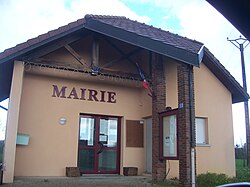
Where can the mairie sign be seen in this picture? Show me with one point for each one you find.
(83, 94)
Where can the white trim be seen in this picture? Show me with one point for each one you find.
(203, 145)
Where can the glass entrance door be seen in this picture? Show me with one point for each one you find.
(99, 145)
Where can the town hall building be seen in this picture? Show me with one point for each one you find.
(105, 93)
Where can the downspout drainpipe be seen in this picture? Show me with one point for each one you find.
(192, 133)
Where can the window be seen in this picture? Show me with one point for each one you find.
(201, 131)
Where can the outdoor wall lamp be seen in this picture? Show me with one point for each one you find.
(95, 71)
(62, 121)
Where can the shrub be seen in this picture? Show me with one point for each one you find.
(212, 179)
(243, 174)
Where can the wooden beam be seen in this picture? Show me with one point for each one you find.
(75, 55)
(128, 57)
(50, 48)
(95, 53)
(121, 58)
(121, 52)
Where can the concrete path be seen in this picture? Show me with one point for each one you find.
(88, 181)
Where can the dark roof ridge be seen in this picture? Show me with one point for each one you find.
(87, 16)
(98, 17)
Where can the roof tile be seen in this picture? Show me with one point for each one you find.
(73, 24)
(22, 46)
(53, 32)
(149, 31)
(33, 41)
(43, 37)
(116, 21)
(7, 52)
(81, 21)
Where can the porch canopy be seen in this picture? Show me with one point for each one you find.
(121, 28)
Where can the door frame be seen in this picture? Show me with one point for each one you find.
(118, 149)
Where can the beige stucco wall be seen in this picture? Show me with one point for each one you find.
(213, 101)
(53, 147)
(172, 101)
(171, 84)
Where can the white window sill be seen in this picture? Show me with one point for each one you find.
(203, 145)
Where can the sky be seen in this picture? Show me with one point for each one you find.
(21, 20)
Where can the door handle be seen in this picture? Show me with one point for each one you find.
(101, 148)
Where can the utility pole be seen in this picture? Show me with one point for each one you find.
(241, 44)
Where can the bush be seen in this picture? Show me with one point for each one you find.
(212, 179)
(243, 174)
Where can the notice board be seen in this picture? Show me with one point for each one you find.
(134, 133)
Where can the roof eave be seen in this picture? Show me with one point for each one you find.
(146, 43)
(39, 44)
(237, 91)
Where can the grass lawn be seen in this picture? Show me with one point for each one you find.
(242, 172)
(213, 179)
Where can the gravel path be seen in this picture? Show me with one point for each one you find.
(93, 181)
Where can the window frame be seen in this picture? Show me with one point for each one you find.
(161, 116)
(206, 131)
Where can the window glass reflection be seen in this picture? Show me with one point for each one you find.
(87, 126)
(108, 132)
(169, 136)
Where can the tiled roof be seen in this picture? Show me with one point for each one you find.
(149, 32)
(136, 33)
(123, 23)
